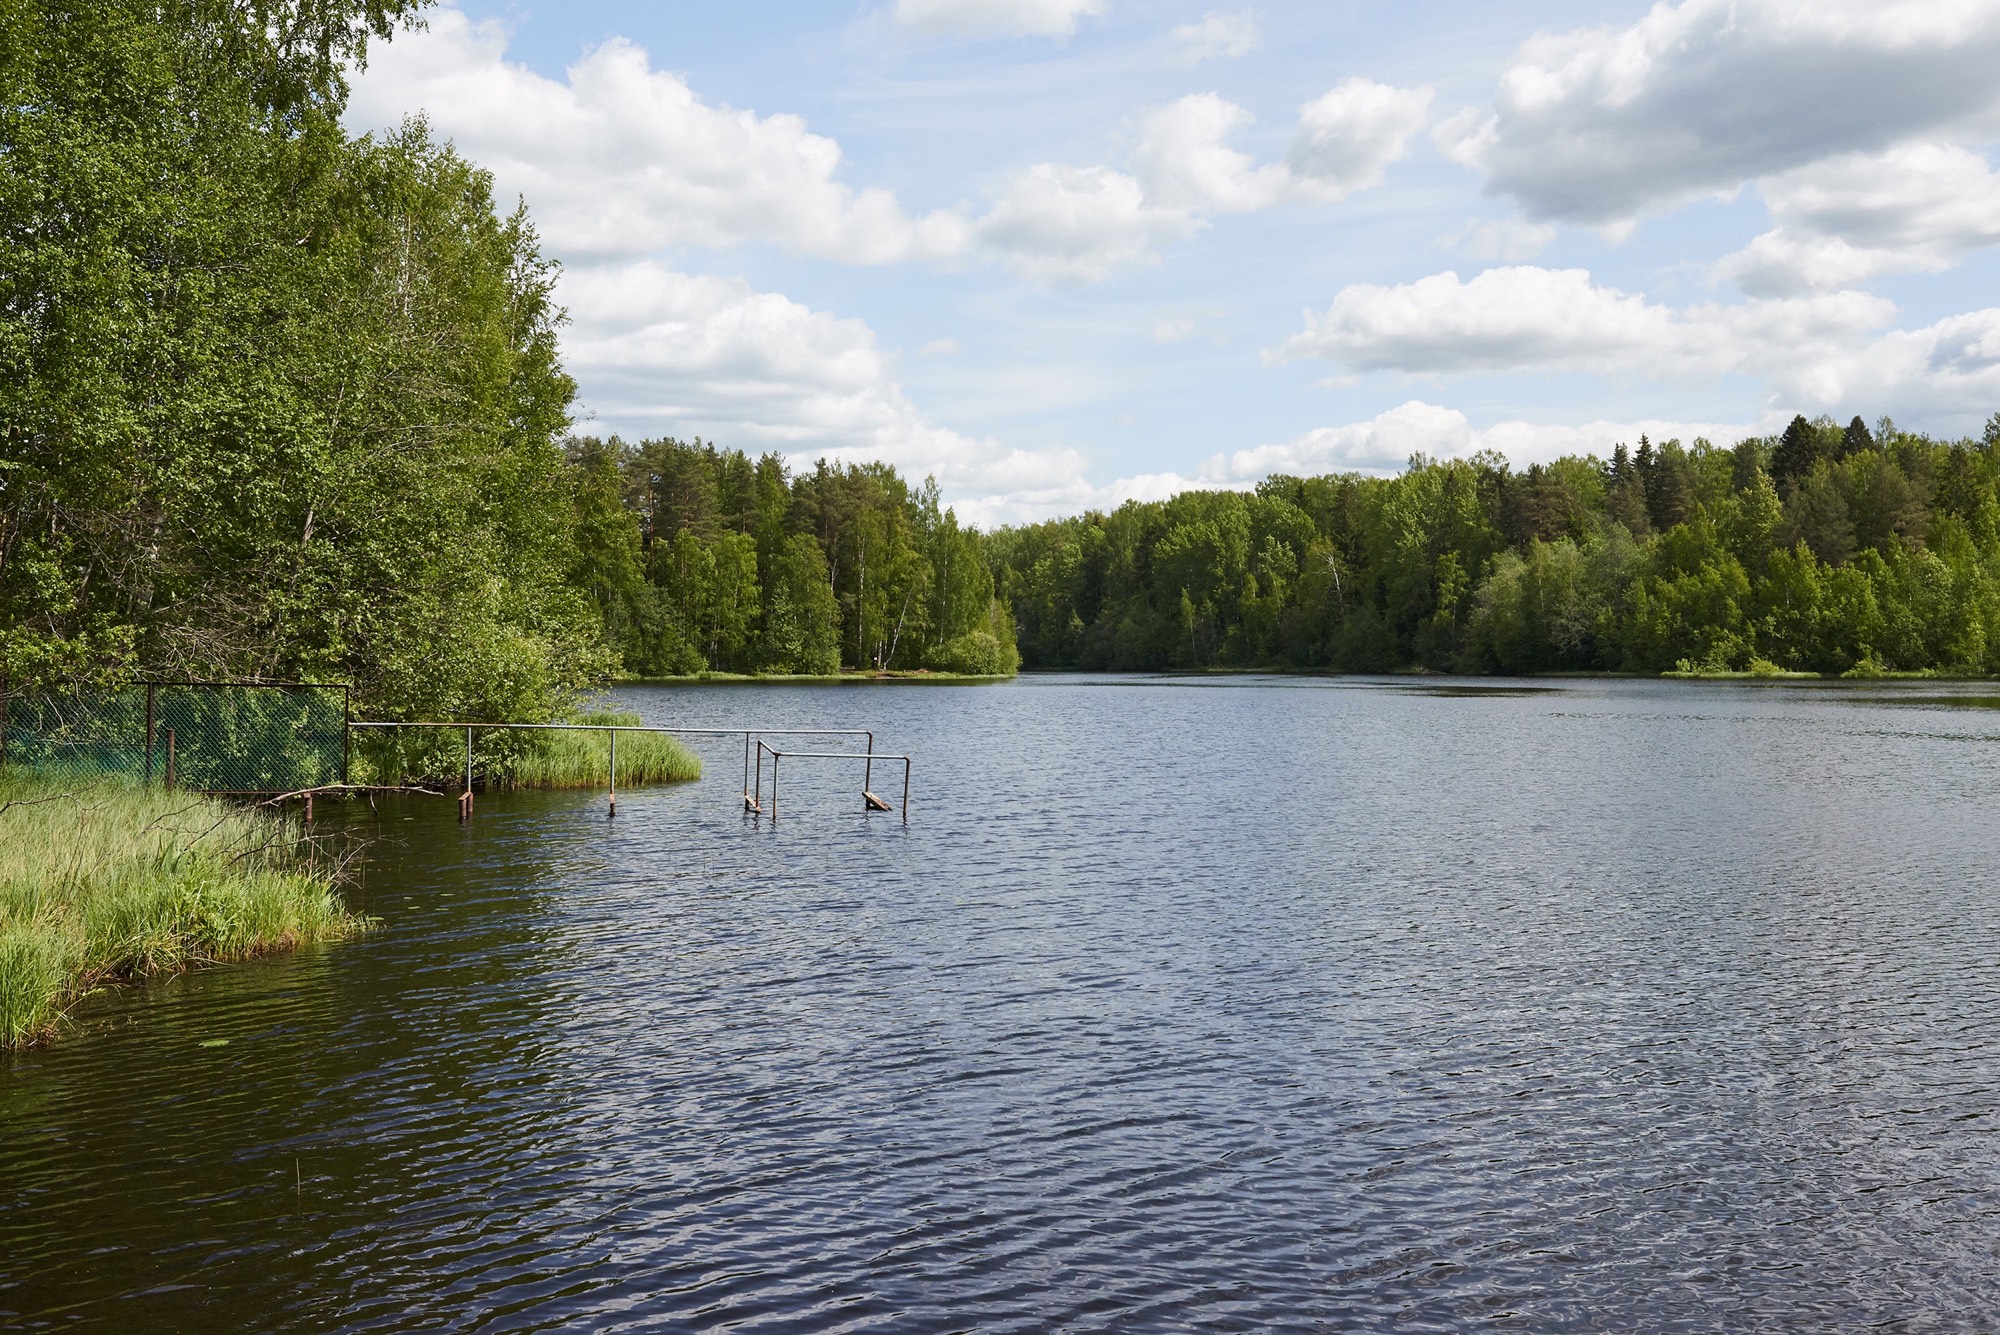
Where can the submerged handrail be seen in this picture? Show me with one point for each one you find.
(870, 802)
(749, 735)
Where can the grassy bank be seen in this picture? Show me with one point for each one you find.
(112, 882)
(526, 759)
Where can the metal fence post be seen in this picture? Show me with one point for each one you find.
(170, 760)
(346, 733)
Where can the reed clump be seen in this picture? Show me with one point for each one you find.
(114, 882)
(527, 758)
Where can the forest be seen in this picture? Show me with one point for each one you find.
(700, 560)
(1825, 549)
(282, 403)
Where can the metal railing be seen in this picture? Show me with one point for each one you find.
(869, 802)
(751, 737)
(295, 739)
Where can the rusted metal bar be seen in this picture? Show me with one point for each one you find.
(868, 757)
(636, 727)
(170, 760)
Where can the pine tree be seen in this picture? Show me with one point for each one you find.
(1856, 438)
(1798, 450)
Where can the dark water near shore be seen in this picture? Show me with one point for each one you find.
(1230, 1004)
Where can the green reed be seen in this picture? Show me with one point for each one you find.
(114, 882)
(526, 758)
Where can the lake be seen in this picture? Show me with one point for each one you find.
(1231, 1003)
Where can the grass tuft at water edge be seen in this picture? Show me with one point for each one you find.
(114, 882)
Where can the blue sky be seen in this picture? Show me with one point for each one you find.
(1063, 252)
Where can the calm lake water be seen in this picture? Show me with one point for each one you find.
(1220, 1004)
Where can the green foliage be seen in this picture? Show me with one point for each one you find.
(274, 402)
(723, 564)
(116, 882)
(1827, 550)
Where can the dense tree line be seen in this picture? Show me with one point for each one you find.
(274, 401)
(1825, 549)
(700, 559)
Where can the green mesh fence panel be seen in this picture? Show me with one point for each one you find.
(216, 738)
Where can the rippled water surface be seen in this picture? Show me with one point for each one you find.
(1235, 1004)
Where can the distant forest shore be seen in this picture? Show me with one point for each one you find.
(1825, 549)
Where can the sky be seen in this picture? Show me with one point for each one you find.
(1063, 253)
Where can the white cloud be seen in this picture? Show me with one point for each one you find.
(658, 351)
(1173, 329)
(1078, 224)
(997, 18)
(622, 159)
(1836, 352)
(1529, 319)
(1385, 443)
(941, 347)
(1918, 208)
(1217, 36)
(1349, 136)
(1185, 159)
(663, 352)
(1696, 98)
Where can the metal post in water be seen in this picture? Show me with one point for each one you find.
(868, 774)
(612, 733)
(776, 756)
(746, 766)
(465, 799)
(906, 790)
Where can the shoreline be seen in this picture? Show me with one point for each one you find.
(111, 883)
(886, 677)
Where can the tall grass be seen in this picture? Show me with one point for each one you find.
(526, 758)
(114, 882)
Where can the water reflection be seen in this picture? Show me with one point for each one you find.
(1242, 1005)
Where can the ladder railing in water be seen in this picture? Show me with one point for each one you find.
(869, 802)
(750, 736)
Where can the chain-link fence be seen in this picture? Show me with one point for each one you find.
(213, 736)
